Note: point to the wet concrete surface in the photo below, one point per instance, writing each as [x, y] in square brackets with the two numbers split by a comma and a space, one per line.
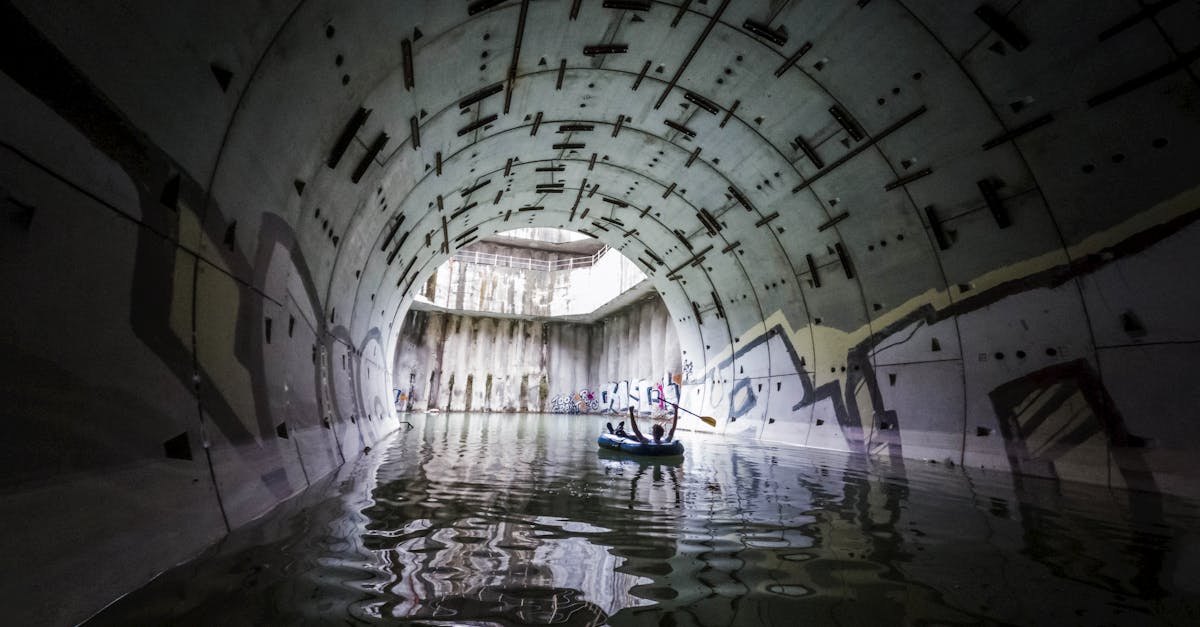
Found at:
[510, 519]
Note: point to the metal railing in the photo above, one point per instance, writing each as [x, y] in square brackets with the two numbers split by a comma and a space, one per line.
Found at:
[544, 265]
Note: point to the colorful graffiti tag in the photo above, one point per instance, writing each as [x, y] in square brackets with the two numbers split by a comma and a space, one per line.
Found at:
[642, 395]
[581, 402]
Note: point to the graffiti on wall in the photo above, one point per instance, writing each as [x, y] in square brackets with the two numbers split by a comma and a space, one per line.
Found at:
[644, 396]
[582, 402]
[661, 397]
[1054, 421]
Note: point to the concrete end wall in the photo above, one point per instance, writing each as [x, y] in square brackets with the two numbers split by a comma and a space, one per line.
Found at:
[458, 362]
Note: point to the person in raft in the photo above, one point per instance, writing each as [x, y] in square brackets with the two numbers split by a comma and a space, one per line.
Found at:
[656, 431]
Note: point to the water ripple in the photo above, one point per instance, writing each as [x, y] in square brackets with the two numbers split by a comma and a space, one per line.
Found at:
[517, 519]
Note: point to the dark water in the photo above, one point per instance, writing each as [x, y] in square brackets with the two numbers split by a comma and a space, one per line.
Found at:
[515, 519]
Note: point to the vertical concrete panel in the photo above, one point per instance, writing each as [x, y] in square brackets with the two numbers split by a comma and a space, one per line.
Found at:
[520, 368]
[485, 341]
[440, 373]
[555, 358]
[450, 359]
[414, 362]
[498, 357]
[459, 347]
[583, 360]
[509, 370]
[603, 345]
[659, 332]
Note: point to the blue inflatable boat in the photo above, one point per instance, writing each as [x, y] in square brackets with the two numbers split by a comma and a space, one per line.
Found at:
[633, 447]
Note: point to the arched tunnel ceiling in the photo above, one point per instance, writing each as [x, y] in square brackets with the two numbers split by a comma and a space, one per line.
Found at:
[830, 173]
[904, 107]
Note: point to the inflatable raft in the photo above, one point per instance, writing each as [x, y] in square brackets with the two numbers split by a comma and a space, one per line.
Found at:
[633, 447]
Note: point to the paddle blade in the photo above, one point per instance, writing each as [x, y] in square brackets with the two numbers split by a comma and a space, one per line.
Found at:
[708, 420]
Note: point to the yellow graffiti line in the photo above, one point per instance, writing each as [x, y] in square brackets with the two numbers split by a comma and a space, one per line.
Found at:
[217, 300]
[829, 340]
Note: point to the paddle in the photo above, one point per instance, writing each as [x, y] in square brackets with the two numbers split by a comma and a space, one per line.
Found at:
[708, 420]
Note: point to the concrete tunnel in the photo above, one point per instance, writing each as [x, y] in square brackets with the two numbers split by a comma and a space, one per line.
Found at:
[904, 229]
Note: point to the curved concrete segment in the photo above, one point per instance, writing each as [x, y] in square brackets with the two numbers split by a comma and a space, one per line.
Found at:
[904, 228]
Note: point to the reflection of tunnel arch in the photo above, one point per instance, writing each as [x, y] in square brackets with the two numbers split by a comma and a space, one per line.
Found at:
[892, 197]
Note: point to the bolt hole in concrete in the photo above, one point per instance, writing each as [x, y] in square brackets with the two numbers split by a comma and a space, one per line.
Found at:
[514, 519]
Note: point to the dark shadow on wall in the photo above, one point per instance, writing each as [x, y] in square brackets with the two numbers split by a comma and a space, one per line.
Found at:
[165, 192]
[1063, 406]
[1039, 407]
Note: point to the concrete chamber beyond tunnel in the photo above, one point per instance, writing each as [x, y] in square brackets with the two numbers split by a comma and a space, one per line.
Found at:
[538, 320]
[909, 230]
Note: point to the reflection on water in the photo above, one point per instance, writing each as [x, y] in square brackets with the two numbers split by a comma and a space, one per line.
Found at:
[519, 519]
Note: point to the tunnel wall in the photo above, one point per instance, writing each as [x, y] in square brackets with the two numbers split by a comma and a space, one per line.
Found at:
[925, 242]
[535, 365]
[163, 382]
[965, 181]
